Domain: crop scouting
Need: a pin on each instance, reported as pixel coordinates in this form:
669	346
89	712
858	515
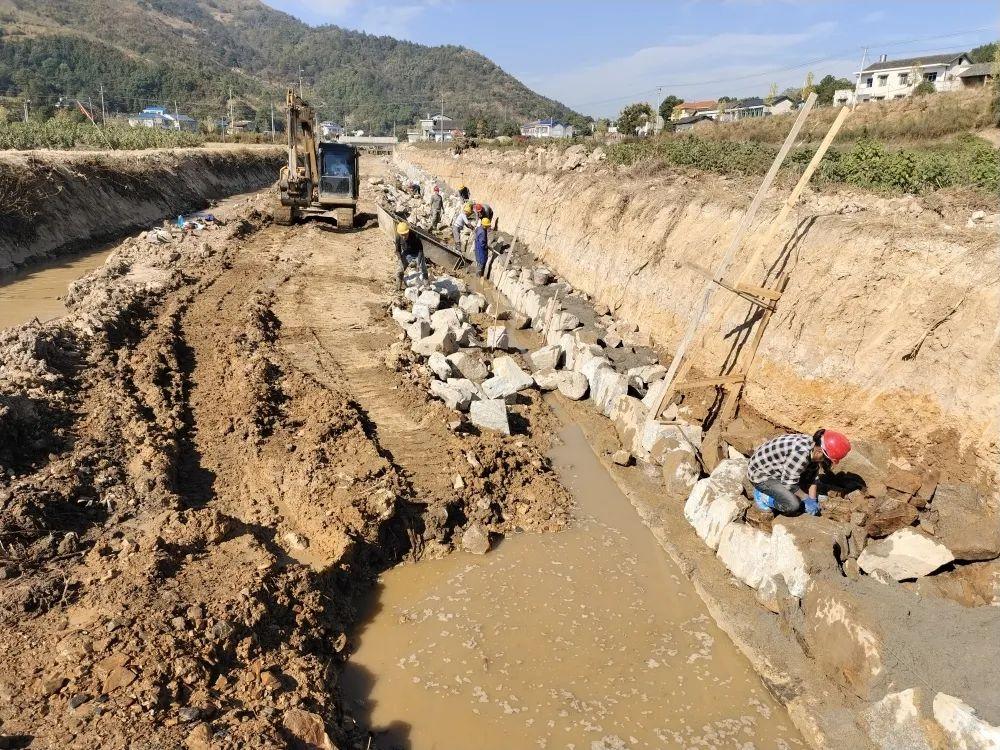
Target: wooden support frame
724	380
755	295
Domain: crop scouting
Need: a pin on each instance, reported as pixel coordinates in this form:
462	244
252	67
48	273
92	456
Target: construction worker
437	207
482	244
409	251
485	211
463	220
784	469
463	192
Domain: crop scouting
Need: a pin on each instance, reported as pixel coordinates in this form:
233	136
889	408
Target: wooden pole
734	244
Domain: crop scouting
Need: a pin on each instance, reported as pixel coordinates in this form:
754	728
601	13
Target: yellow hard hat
467	208
461	186
402	228
486	221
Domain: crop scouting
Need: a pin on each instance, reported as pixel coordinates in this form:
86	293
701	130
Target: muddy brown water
38	292
582	640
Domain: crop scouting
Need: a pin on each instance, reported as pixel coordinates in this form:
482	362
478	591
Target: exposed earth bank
57	201
204	464
887	328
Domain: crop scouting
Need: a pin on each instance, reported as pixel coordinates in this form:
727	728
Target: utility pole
857	84
177	117
301	71
104	112
272	122
442	117
26	109
231	124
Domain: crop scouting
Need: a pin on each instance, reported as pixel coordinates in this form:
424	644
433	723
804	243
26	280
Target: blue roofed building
546	129
160	117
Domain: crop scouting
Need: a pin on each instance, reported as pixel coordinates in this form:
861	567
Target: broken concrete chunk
466	387
547	379
422	311
439	341
573	385
403	317
564	321
418	329
904	554
439	365
716	501
490	414
507	379
451	317
449	287
469	366
452	397
965	524
496	338
430	298
545	358
473	303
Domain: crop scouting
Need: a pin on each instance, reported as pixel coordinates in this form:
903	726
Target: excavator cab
320	178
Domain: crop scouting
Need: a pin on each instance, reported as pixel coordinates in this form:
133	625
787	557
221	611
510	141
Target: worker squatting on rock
785	468
437	207
485	211
463	193
409	251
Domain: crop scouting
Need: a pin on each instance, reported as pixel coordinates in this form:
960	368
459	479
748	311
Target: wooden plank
759	291
747	292
690	385
734	244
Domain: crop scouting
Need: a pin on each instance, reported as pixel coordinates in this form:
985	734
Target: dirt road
206	463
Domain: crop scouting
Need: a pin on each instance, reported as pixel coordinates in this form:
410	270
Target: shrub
60	133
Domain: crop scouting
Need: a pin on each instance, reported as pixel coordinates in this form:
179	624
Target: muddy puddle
586	639
39	292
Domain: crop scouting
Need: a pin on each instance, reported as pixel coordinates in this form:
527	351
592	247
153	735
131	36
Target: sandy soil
205	465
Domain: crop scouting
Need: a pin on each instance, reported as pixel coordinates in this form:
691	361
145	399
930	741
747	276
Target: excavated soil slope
888	328
52	201
204	466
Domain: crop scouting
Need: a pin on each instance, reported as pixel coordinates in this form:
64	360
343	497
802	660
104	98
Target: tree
727	99
633	117
984	53
601	126
808	87
510	129
772	94
667	107
828	85
924	87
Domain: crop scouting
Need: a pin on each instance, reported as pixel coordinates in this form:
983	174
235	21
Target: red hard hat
835	445
478	207
437	189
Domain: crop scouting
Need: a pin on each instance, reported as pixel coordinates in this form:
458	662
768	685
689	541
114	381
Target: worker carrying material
409	251
437	207
463	220
482	245
485	211
463	192
786	467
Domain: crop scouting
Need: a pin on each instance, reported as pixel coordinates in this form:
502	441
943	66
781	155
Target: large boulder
629	416
440	341
717	501
547	379
469	365
402	317
473	303
904	554
490	414
507	379
962	726
496	337
418	329
449	317
898	722
430	299
452	397
439	365
545	358
449	287
607	386
974	584
746	552
680	471
965	524
573	385
804	548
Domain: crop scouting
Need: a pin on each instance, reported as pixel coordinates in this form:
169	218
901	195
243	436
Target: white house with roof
546	129
160	117
330	130
896	79
434	128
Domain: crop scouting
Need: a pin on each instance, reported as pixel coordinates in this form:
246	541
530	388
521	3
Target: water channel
39	291
589	639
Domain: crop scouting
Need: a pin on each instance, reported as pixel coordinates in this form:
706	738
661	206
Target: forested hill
195	51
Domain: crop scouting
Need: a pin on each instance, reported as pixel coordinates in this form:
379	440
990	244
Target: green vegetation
667	106
633	116
967	161
61	133
195	51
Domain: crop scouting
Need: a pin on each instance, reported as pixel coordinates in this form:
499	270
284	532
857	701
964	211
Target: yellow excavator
321	177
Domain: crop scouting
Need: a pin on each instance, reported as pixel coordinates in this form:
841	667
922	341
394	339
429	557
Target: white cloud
874	17
694	67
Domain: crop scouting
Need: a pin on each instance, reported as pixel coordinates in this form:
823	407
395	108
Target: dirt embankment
53	201
196	488
887	328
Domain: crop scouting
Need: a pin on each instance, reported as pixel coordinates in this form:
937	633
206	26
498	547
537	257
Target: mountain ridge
193	52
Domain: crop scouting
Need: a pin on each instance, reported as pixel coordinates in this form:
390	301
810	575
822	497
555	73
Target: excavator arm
299	178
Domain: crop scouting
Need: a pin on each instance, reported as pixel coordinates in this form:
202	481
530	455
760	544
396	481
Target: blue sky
597	57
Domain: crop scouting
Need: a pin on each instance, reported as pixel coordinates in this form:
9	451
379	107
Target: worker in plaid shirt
783	465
